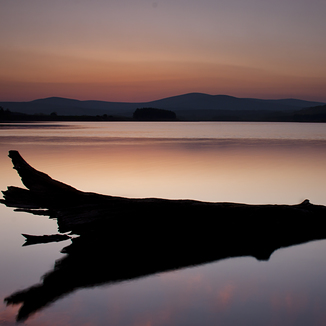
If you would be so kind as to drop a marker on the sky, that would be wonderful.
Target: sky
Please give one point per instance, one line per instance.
(142, 50)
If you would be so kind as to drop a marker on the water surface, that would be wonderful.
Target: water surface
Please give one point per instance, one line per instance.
(238, 162)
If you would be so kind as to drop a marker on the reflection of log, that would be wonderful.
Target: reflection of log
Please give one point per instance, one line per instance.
(125, 238)
(129, 252)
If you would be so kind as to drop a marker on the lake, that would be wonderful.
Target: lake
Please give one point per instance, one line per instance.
(254, 163)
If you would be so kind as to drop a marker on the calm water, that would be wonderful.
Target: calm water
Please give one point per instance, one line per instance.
(238, 162)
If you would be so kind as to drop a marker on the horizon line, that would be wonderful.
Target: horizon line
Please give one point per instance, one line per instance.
(163, 98)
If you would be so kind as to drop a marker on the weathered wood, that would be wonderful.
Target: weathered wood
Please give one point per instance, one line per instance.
(79, 211)
(123, 238)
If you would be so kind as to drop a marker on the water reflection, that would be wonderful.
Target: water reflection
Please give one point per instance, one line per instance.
(4, 126)
(251, 163)
(175, 130)
(240, 170)
(112, 257)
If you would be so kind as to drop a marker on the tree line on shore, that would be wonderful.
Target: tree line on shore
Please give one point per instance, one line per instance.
(140, 114)
(314, 114)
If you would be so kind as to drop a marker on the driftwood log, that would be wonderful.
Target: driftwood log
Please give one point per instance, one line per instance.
(124, 238)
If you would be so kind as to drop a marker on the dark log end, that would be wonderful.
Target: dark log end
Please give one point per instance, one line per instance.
(35, 180)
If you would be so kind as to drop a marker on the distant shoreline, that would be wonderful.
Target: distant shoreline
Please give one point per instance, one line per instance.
(24, 118)
(186, 107)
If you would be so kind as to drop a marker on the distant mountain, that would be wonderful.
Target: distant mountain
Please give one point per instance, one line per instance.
(64, 106)
(192, 106)
(200, 101)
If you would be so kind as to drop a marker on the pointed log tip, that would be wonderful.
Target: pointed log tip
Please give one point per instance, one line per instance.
(17, 160)
(38, 181)
(14, 155)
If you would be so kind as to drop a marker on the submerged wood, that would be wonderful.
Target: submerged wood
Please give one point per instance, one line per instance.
(124, 238)
(35, 239)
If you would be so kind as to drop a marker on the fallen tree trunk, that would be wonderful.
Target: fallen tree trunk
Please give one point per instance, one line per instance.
(123, 238)
(262, 228)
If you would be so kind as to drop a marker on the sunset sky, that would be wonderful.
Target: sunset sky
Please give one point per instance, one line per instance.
(141, 50)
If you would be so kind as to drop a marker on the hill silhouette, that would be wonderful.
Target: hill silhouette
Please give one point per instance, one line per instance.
(192, 106)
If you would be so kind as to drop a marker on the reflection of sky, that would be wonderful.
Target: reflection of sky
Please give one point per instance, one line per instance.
(251, 163)
(92, 131)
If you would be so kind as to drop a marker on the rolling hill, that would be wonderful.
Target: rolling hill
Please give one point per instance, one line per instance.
(192, 106)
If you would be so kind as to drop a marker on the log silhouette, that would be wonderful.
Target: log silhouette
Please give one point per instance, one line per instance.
(124, 238)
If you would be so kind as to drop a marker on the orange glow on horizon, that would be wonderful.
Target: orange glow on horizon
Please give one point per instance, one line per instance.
(144, 82)
(131, 52)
